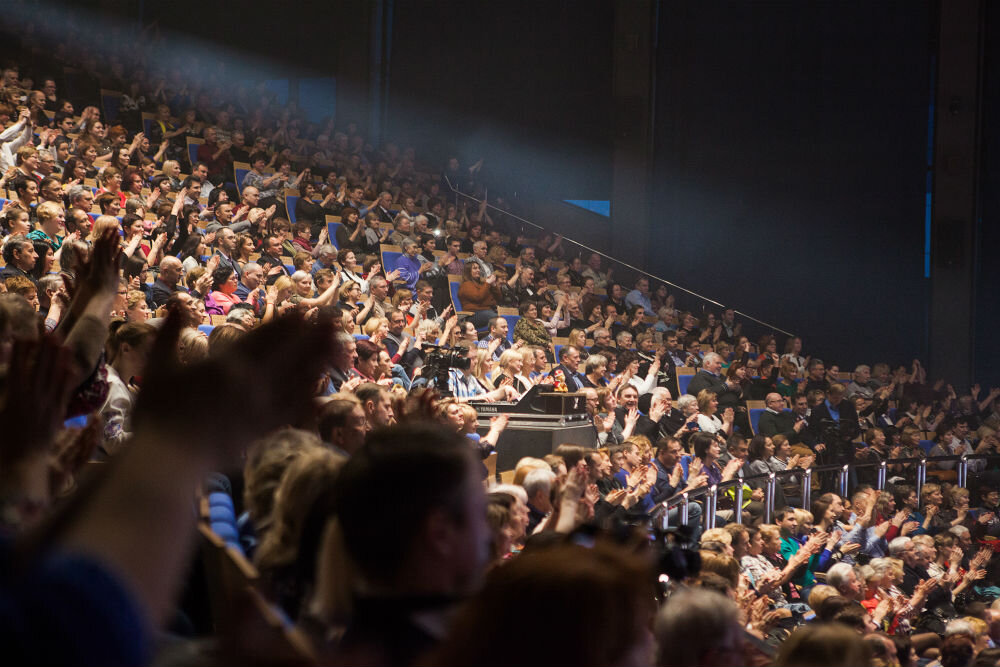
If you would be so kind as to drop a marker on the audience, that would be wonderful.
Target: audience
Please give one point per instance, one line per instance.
(364, 512)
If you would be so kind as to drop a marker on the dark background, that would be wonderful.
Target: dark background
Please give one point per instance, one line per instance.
(790, 164)
(790, 167)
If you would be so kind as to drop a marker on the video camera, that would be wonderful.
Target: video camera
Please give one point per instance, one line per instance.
(438, 361)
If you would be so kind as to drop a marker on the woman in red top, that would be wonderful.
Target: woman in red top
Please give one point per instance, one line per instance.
(224, 284)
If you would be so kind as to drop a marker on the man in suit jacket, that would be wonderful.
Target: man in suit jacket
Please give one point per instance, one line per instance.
(709, 376)
(775, 420)
(838, 410)
(568, 368)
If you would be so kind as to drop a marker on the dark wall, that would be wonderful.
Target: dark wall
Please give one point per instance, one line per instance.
(790, 162)
(526, 84)
(987, 313)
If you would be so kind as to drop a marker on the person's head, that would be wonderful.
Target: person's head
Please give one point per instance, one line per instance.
(569, 356)
(19, 251)
(698, 627)
(827, 644)
(341, 422)
(129, 347)
(787, 520)
(375, 401)
(816, 369)
(843, 577)
(379, 288)
(708, 403)
(930, 494)
(712, 362)
(438, 537)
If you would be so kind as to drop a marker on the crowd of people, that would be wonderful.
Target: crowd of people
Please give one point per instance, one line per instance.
(168, 333)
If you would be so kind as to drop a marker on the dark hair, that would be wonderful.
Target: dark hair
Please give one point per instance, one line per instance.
(133, 266)
(220, 276)
(366, 350)
(757, 447)
(700, 444)
(605, 621)
(431, 463)
(42, 248)
(190, 247)
(571, 454)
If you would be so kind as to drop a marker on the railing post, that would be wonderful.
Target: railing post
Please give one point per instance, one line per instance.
(684, 509)
(708, 518)
(882, 475)
(739, 499)
(921, 475)
(769, 498)
(666, 516)
(807, 487)
(842, 482)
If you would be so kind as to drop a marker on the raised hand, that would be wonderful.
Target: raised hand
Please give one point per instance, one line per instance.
(40, 379)
(270, 372)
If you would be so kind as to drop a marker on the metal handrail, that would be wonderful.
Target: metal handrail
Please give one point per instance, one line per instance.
(711, 492)
(500, 211)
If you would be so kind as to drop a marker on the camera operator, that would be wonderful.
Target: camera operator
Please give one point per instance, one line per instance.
(834, 422)
(465, 387)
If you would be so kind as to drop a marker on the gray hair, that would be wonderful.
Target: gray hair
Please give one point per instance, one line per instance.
(959, 531)
(11, 244)
(711, 356)
(898, 546)
(686, 401)
(601, 331)
(324, 249)
(880, 566)
(49, 281)
(862, 367)
(252, 266)
(593, 361)
(837, 575)
(692, 623)
(417, 218)
(342, 338)
(660, 393)
(77, 191)
(539, 479)
(511, 490)
(958, 626)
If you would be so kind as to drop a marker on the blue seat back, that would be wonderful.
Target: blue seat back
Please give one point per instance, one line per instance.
(206, 329)
(927, 446)
(240, 175)
(454, 295)
(193, 152)
(331, 229)
(511, 322)
(222, 519)
(290, 207)
(682, 382)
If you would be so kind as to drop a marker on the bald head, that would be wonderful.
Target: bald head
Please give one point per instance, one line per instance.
(170, 270)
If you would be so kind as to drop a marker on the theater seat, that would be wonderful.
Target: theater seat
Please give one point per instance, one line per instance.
(206, 329)
(684, 377)
(331, 229)
(927, 446)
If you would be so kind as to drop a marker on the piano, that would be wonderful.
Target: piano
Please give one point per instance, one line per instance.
(539, 421)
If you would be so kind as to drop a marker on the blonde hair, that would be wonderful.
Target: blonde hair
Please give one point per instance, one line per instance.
(303, 483)
(508, 356)
(101, 225)
(429, 329)
(192, 346)
(47, 209)
(373, 324)
(483, 357)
